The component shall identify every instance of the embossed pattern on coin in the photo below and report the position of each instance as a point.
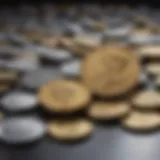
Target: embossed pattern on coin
(64, 96)
(110, 71)
(108, 110)
(70, 129)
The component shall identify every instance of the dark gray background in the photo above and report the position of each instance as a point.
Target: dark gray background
(108, 142)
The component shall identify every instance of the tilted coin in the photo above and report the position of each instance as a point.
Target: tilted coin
(153, 69)
(108, 110)
(18, 101)
(147, 99)
(71, 68)
(21, 130)
(64, 96)
(142, 121)
(110, 71)
(35, 79)
(70, 129)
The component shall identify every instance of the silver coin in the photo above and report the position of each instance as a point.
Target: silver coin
(19, 101)
(35, 79)
(19, 130)
(55, 54)
(71, 69)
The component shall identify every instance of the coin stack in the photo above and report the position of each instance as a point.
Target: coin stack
(68, 67)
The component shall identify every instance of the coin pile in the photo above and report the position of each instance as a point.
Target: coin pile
(77, 65)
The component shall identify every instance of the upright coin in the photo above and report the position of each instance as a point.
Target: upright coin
(35, 79)
(18, 101)
(64, 96)
(108, 110)
(21, 130)
(110, 71)
(70, 129)
(142, 121)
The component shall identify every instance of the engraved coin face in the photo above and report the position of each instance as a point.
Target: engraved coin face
(64, 96)
(148, 99)
(110, 71)
(142, 121)
(108, 110)
(70, 129)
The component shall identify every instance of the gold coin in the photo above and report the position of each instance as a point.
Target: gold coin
(148, 99)
(153, 69)
(108, 110)
(142, 121)
(110, 71)
(64, 96)
(150, 51)
(70, 129)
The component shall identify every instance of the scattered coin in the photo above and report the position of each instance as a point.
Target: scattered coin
(35, 79)
(150, 51)
(142, 121)
(147, 99)
(21, 130)
(64, 96)
(108, 110)
(110, 71)
(71, 68)
(153, 69)
(70, 129)
(19, 101)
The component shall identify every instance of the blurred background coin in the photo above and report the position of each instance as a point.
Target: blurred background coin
(19, 101)
(20, 130)
(71, 68)
(35, 79)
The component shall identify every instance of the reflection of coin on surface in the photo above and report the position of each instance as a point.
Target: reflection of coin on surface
(108, 110)
(70, 129)
(64, 96)
(142, 121)
(110, 71)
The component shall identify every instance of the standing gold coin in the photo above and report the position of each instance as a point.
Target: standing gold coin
(70, 129)
(142, 121)
(108, 110)
(110, 71)
(64, 96)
